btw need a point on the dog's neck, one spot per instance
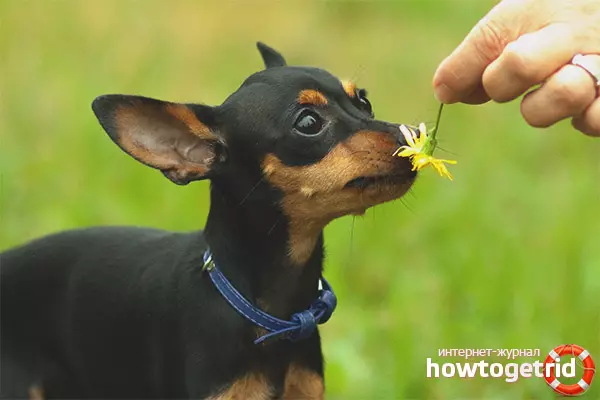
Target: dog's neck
(249, 242)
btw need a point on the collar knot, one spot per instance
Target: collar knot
(299, 327)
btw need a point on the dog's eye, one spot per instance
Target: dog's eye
(309, 123)
(365, 104)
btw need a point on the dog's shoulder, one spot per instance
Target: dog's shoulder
(123, 240)
(100, 266)
(102, 252)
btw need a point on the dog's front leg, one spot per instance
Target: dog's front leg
(302, 383)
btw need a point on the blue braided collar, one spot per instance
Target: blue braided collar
(301, 325)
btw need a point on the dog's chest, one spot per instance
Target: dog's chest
(298, 383)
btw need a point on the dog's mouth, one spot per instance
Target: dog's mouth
(363, 182)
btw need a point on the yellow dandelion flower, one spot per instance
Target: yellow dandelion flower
(420, 161)
(420, 146)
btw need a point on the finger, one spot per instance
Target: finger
(460, 73)
(589, 122)
(533, 57)
(478, 96)
(565, 94)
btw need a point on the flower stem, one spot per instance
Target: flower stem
(437, 121)
(431, 142)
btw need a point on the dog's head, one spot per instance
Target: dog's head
(295, 137)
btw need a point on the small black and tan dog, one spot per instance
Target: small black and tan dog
(124, 312)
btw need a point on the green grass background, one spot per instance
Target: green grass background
(506, 256)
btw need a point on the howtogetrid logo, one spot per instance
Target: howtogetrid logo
(552, 369)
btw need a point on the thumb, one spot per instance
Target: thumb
(458, 78)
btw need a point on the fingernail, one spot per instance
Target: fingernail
(444, 94)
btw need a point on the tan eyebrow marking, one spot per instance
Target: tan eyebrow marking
(349, 88)
(314, 97)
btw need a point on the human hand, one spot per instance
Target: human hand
(523, 43)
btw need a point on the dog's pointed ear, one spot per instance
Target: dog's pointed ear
(178, 139)
(271, 57)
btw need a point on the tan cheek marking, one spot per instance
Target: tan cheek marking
(313, 193)
(301, 383)
(250, 387)
(313, 97)
(187, 116)
(308, 192)
(343, 163)
(320, 177)
(349, 88)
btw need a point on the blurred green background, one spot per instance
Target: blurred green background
(506, 256)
